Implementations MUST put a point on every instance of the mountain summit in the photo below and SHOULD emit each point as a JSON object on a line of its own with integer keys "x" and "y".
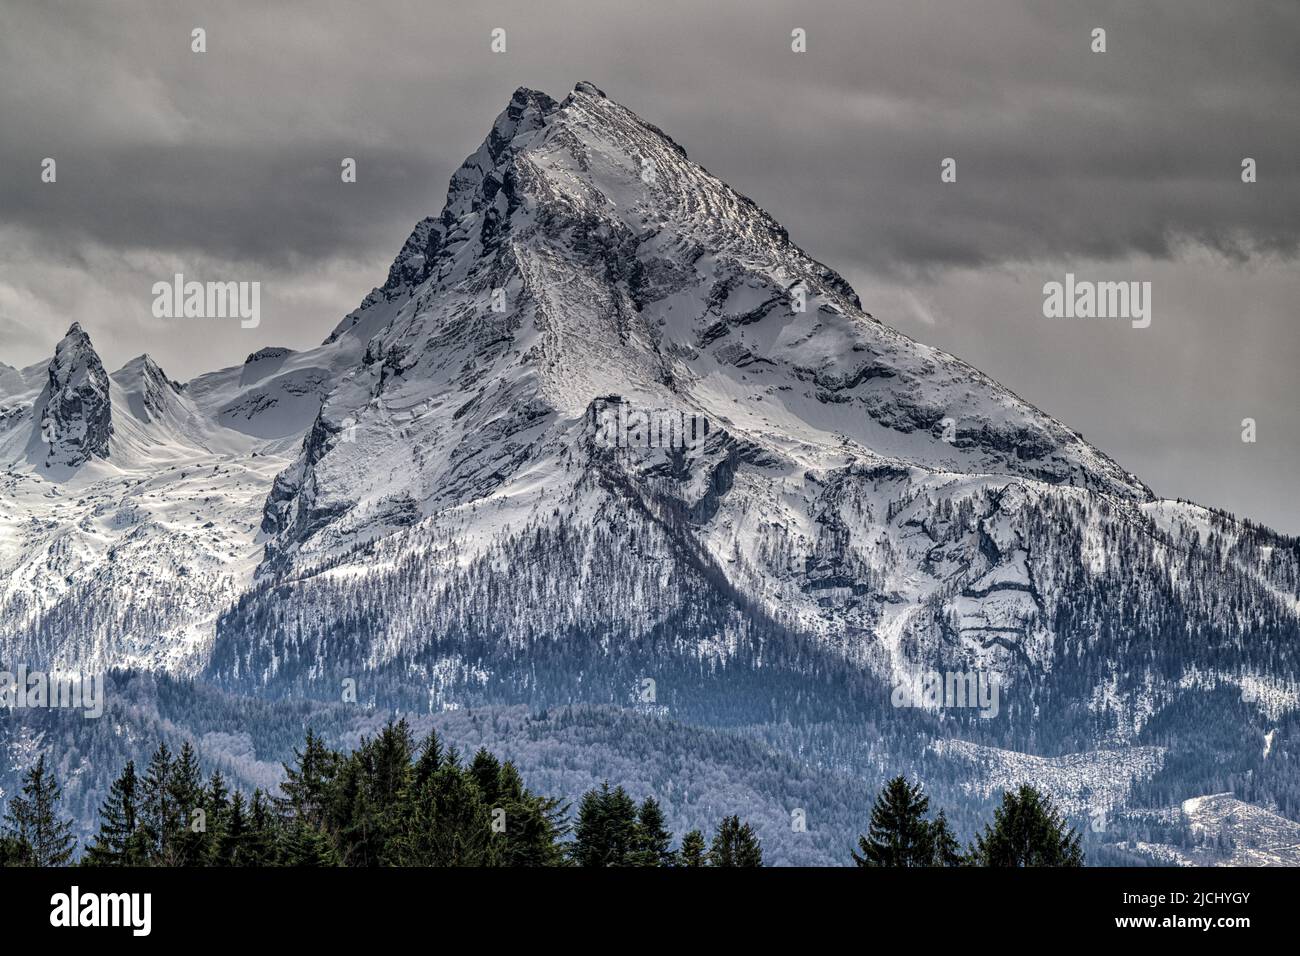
{"x": 581, "y": 254}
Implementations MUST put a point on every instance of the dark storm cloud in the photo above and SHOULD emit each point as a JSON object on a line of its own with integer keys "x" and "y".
{"x": 1060, "y": 151}
{"x": 219, "y": 200}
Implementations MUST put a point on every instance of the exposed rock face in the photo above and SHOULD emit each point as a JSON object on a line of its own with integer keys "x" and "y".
{"x": 78, "y": 419}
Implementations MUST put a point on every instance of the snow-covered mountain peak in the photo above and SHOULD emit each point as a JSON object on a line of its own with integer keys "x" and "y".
{"x": 76, "y": 421}
{"x": 74, "y": 347}
{"x": 154, "y": 420}
{"x": 144, "y": 368}
{"x": 581, "y": 254}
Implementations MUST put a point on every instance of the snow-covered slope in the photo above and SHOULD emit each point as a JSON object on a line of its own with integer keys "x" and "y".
{"x": 432, "y": 493}
{"x": 1080, "y": 784}
{"x": 1220, "y": 830}
{"x": 859, "y": 486}
{"x": 130, "y": 504}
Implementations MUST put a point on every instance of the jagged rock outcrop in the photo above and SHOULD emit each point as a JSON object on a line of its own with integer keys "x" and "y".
{"x": 78, "y": 417}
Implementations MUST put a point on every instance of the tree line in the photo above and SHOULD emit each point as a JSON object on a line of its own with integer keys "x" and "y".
{"x": 1026, "y": 830}
{"x": 391, "y": 802}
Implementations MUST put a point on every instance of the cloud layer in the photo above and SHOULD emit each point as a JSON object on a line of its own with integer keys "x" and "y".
{"x": 1126, "y": 163}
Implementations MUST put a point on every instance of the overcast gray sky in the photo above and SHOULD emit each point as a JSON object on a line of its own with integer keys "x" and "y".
{"x": 1122, "y": 165}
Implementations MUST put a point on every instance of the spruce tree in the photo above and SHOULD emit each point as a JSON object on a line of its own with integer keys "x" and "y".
{"x": 605, "y": 833}
{"x": 431, "y": 758}
{"x": 233, "y": 850}
{"x": 446, "y": 824}
{"x": 12, "y": 853}
{"x": 349, "y": 816}
{"x": 589, "y": 840}
{"x": 120, "y": 840}
{"x": 620, "y": 820}
{"x": 946, "y": 849}
{"x": 735, "y": 844}
{"x": 188, "y": 842}
{"x": 390, "y": 764}
{"x": 40, "y": 837}
{"x": 693, "y": 851}
{"x": 216, "y": 806}
{"x": 304, "y": 845}
{"x": 306, "y": 784}
{"x": 485, "y": 768}
{"x": 899, "y": 834}
{"x": 531, "y": 826}
{"x": 384, "y": 775}
{"x": 1027, "y": 831}
{"x": 261, "y": 847}
{"x": 652, "y": 837}
{"x": 158, "y": 818}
